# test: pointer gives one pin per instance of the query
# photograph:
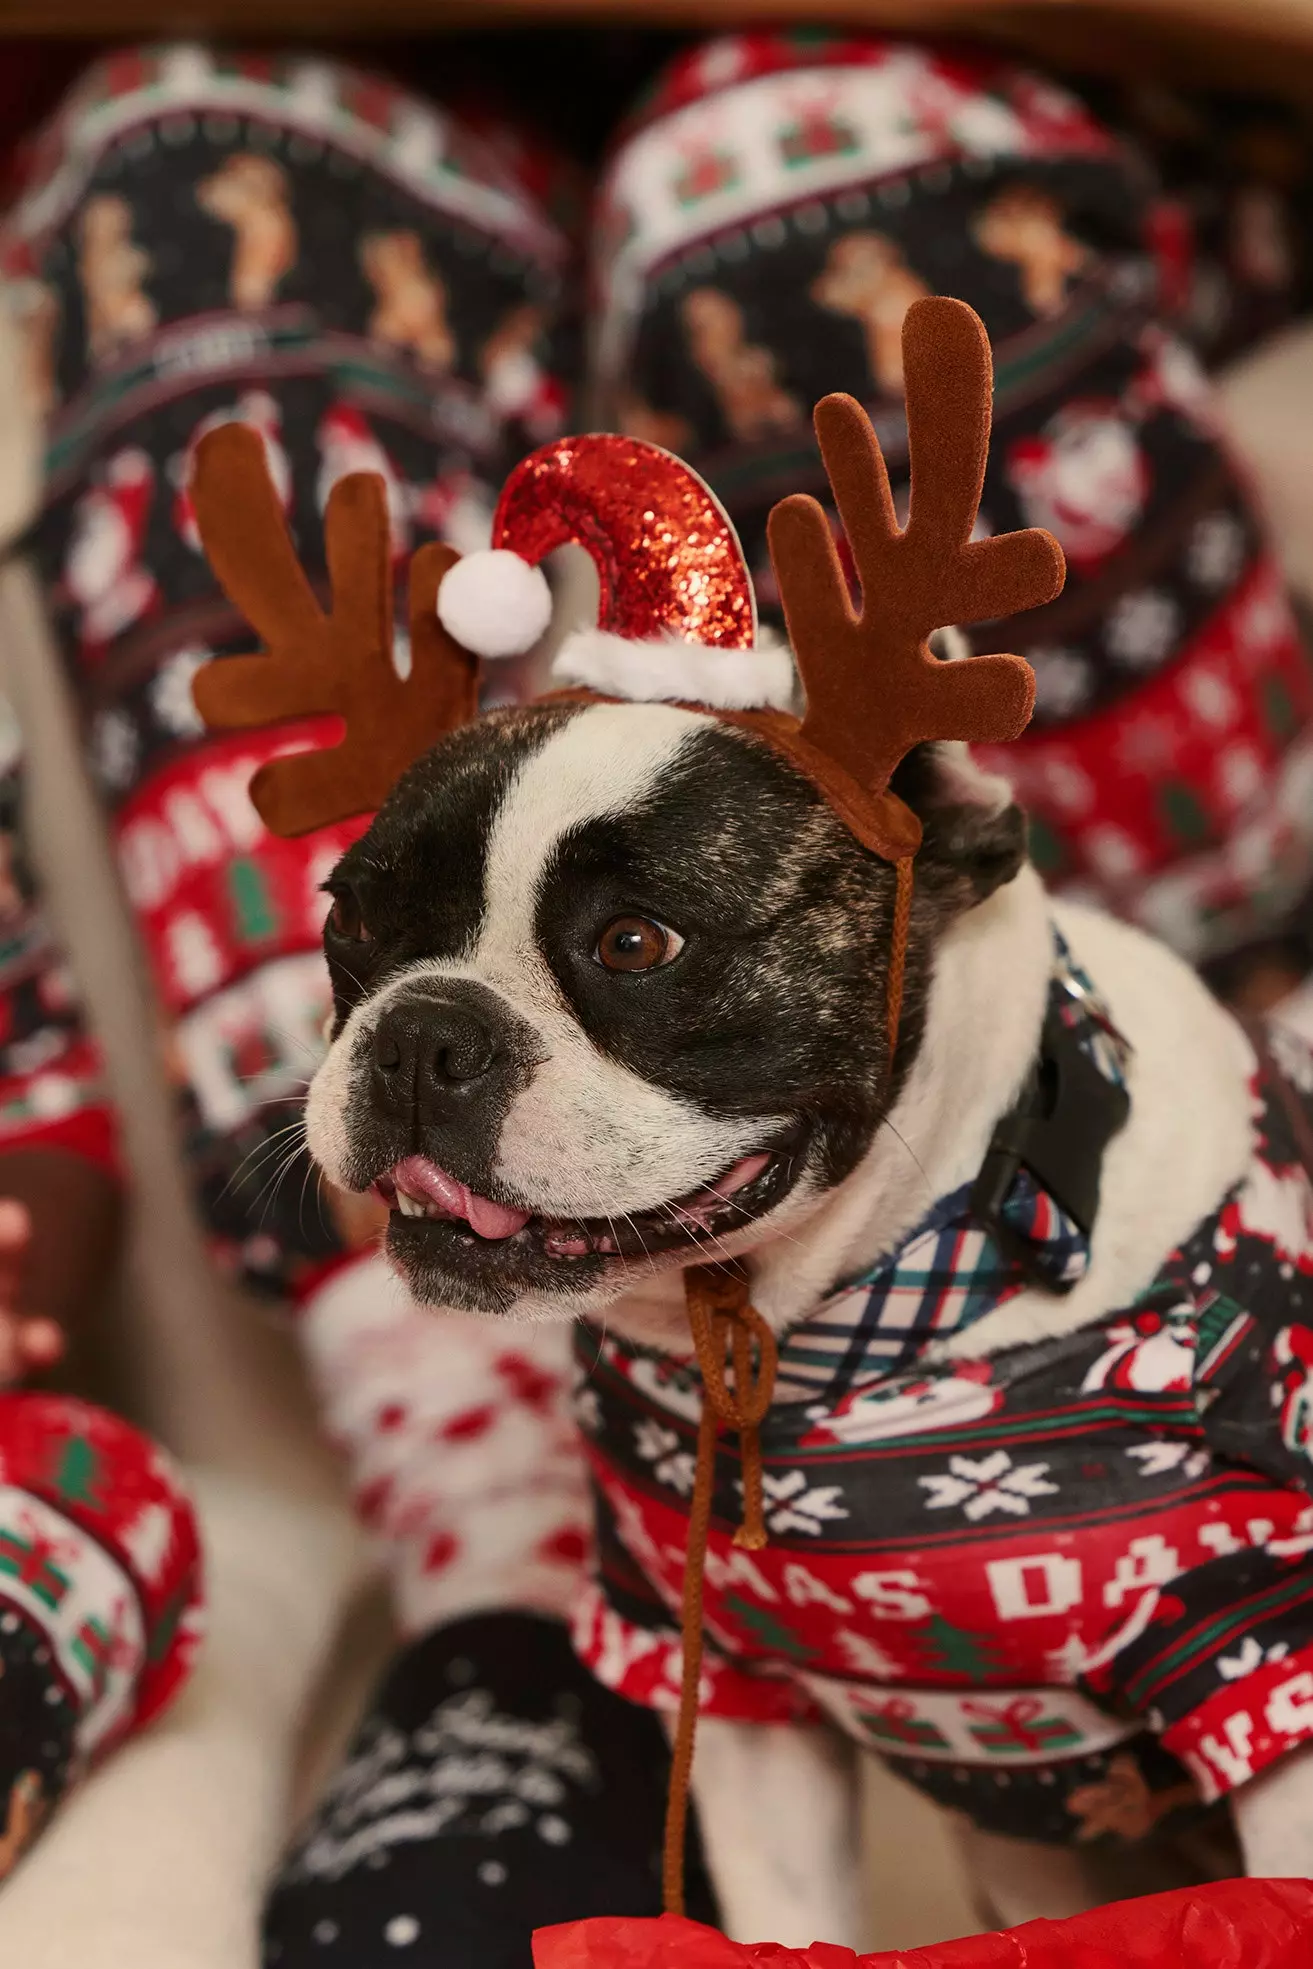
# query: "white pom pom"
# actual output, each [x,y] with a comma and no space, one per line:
[494,603]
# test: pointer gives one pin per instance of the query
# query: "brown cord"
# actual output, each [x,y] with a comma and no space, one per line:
[720,1317]
[681,1761]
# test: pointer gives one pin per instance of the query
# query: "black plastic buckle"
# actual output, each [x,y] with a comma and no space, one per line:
[1059,1130]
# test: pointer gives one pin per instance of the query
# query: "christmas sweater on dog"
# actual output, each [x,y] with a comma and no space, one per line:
[1068,1589]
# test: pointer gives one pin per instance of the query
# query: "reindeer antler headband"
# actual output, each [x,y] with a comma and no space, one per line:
[668,562]
[669,565]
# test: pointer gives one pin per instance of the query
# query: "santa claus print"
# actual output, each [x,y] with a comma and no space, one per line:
[104,571]
[1084,477]
[455,507]
[347,444]
[1150,1353]
[1292,1391]
[256,408]
[887,1411]
[517,384]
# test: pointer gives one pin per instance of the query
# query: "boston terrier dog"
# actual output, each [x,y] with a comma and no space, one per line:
[629,995]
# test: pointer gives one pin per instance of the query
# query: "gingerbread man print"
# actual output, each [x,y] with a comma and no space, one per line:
[742,374]
[410,298]
[250,194]
[866,276]
[112,268]
[1024,225]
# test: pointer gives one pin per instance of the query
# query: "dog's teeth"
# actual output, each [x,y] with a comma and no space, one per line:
[409,1206]
[605,1244]
[567,1244]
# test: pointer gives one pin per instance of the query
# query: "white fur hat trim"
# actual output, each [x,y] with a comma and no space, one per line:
[676,672]
[494,603]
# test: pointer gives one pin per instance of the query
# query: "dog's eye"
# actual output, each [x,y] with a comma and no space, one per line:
[637,943]
[346,919]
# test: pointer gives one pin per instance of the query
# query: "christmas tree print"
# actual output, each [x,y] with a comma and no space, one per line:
[256,920]
[77,1472]
[950,1650]
[1184,813]
[1047,850]
[168,1624]
[763,1626]
[1278,711]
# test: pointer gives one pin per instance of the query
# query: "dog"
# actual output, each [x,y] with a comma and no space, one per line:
[626,989]
[589,1117]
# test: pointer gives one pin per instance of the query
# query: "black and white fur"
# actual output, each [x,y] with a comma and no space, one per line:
[545,1083]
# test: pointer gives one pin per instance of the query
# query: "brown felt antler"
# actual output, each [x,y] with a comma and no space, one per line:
[318,663]
[874,688]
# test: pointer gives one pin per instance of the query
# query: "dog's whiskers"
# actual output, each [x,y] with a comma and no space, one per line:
[261,1153]
[686,1222]
[639,1235]
[743,1210]
[269,1195]
[904,1144]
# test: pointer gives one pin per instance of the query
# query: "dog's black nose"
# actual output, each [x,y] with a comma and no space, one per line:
[427,1051]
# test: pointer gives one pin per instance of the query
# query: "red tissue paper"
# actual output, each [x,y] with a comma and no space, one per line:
[1237,1924]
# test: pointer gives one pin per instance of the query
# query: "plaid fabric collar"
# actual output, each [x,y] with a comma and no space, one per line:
[953,1268]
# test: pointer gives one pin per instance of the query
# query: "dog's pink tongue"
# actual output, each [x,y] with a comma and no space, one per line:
[417,1176]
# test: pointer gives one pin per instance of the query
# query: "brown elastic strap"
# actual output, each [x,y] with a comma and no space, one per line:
[719,1318]
[898,952]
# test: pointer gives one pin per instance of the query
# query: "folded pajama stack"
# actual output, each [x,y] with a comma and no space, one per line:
[767,220]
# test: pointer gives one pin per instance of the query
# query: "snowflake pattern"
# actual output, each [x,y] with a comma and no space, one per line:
[1215,551]
[1158,1458]
[1064,680]
[671,1465]
[1210,697]
[983,1485]
[194,957]
[1263,621]
[792,1504]
[171,693]
[1114,852]
[1240,773]
[115,748]
[588,1410]
[1148,745]
[1141,628]
[1251,1654]
[1068,786]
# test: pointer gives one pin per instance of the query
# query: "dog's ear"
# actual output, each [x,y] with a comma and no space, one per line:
[974,834]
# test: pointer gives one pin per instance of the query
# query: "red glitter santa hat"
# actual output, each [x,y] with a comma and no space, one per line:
[676,617]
